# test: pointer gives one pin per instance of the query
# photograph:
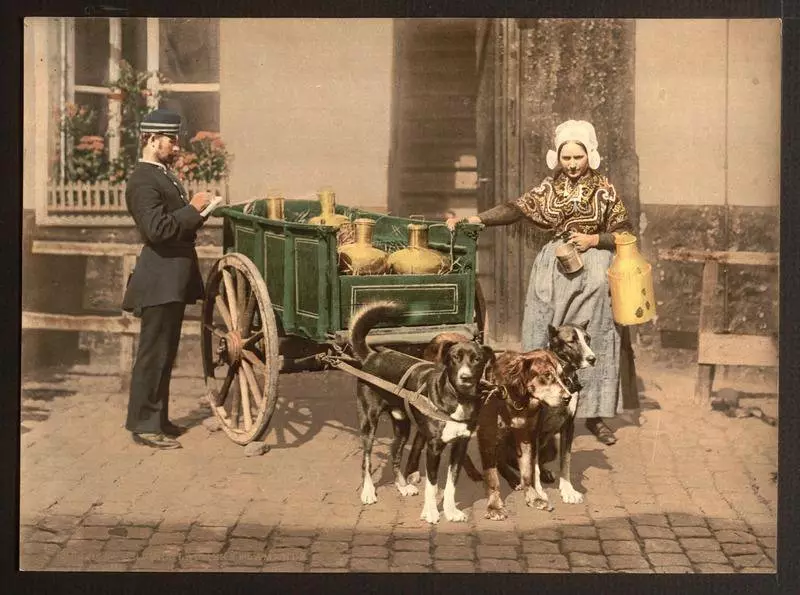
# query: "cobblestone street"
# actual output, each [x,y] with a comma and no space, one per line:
[685,490]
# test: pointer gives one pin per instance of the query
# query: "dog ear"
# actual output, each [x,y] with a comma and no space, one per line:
[488,354]
[445,349]
[514,368]
[584,325]
[551,330]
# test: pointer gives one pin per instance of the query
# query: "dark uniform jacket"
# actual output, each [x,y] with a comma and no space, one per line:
[167,269]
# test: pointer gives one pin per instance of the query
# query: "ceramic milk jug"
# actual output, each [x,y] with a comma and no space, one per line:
[630,278]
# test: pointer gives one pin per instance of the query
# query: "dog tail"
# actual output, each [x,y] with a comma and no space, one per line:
[363,321]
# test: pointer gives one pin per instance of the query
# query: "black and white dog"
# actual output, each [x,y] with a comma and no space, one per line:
[451,387]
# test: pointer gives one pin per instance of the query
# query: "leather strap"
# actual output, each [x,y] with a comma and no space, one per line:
[419,400]
[402,384]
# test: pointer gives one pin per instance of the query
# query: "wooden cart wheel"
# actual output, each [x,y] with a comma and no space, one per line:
[240,348]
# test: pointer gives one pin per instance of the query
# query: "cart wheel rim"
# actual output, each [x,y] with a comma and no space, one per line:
[239,343]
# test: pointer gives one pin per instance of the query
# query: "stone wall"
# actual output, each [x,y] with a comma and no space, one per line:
[82,285]
[752,292]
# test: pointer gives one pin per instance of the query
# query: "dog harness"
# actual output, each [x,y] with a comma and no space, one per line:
[422,403]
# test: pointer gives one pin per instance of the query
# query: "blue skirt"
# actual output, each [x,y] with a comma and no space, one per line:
[556,298]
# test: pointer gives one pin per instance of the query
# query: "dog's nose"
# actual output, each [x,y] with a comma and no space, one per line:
[466,376]
[591,359]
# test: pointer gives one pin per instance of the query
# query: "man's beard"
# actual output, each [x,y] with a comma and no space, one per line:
[169,159]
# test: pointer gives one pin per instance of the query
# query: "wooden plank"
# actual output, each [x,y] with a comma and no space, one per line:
[106,249]
[93,323]
[705,380]
[709,286]
[417,130]
[745,258]
[737,350]
[434,106]
[442,181]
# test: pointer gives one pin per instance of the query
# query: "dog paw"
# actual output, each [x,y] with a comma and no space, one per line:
[430,514]
[413,478]
[407,490]
[455,515]
[570,495]
[368,495]
[496,514]
[538,500]
[518,487]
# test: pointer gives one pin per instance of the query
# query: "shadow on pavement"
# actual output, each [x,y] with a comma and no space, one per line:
[31,412]
[388,536]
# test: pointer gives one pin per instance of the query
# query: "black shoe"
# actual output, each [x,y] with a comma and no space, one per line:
[603,433]
[173,431]
[156,440]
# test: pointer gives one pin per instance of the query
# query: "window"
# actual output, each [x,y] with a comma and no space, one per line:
[189,58]
[185,51]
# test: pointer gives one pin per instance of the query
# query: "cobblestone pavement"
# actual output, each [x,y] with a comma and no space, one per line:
[685,490]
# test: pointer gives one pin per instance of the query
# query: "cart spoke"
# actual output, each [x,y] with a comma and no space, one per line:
[257,364]
[245,394]
[230,295]
[249,310]
[251,379]
[235,402]
[241,294]
[223,310]
[226,384]
[217,332]
[252,339]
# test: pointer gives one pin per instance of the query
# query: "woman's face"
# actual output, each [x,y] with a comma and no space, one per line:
[574,160]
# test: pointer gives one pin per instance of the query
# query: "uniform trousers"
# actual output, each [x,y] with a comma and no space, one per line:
[148,405]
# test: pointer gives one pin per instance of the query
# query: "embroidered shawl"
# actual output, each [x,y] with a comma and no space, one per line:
[590,205]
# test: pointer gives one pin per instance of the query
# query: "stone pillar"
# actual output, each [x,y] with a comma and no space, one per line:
[581,69]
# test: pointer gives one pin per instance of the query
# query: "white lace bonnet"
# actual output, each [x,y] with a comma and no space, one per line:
[575,130]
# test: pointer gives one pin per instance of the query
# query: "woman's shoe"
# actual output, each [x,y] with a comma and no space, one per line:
[603,433]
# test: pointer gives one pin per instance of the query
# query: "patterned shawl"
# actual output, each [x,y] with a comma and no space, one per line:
[589,205]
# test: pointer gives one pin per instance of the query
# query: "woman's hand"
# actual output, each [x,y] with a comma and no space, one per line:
[451,222]
[584,241]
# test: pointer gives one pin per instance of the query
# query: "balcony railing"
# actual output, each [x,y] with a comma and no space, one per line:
[102,203]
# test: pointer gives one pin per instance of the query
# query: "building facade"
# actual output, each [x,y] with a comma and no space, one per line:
[388,113]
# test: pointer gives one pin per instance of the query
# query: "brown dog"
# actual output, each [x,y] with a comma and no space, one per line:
[526,380]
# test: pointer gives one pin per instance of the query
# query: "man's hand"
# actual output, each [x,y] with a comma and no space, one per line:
[584,241]
[200,200]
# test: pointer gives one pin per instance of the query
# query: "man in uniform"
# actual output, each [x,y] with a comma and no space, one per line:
[165,279]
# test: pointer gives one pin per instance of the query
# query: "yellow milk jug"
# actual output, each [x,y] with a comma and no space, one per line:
[275,206]
[418,259]
[361,257]
[630,278]
[328,215]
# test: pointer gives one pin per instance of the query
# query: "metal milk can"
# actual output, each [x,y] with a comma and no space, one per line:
[361,257]
[275,206]
[328,215]
[630,279]
[418,258]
